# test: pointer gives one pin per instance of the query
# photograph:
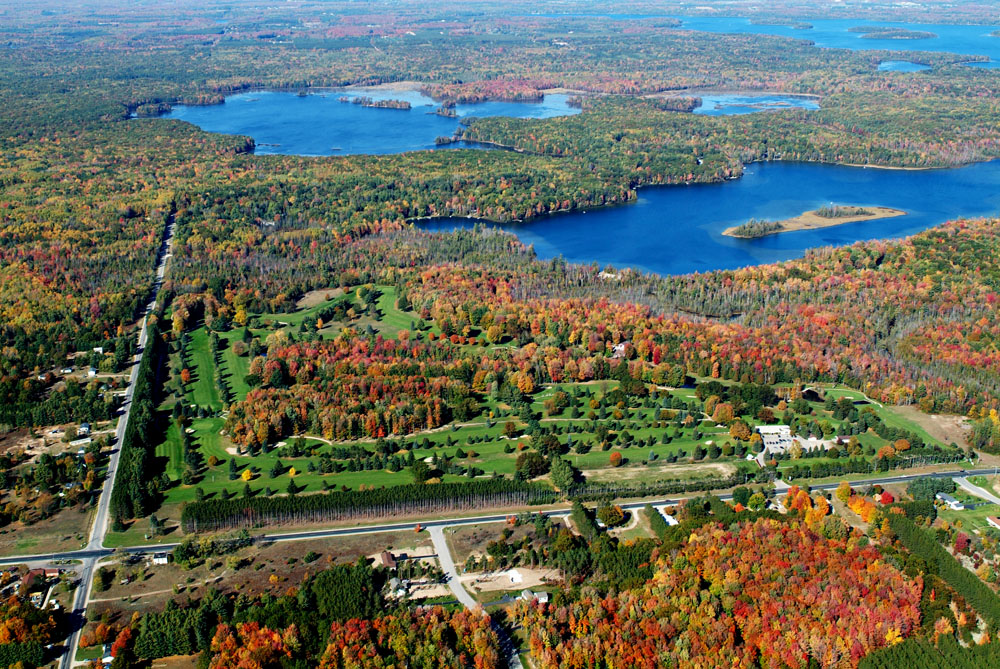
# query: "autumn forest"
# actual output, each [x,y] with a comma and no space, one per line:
[260,409]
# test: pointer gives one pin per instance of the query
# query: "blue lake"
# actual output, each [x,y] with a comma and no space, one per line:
[678,229]
[902,66]
[834,33]
[729,105]
[669,230]
[319,124]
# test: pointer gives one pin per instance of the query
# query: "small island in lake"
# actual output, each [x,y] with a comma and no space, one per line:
[788,23]
[823,217]
[888,32]
[447,110]
[376,104]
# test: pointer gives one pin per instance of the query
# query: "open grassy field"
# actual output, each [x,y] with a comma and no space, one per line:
[387,320]
[890,415]
[971,520]
[67,530]
[202,390]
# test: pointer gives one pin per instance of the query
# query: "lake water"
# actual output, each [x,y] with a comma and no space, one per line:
[730,105]
[902,66]
[319,124]
[834,33]
[678,229]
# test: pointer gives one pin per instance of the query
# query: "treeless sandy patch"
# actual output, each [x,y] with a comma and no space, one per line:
[665,472]
[314,297]
[498,581]
[943,427]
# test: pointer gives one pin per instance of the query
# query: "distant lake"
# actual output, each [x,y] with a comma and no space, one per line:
[319,124]
[678,229]
[903,66]
[834,33]
[731,105]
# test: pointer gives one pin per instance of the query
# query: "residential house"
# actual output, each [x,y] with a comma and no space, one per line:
[950,501]
[528,595]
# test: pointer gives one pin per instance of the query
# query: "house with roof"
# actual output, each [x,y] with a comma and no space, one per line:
[387,560]
[528,595]
[993,522]
[950,501]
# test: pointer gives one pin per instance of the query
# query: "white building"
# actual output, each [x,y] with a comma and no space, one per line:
[777,438]
[950,501]
[528,595]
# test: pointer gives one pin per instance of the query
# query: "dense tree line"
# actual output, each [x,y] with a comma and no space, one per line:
[336,594]
[945,653]
[26,629]
[213,514]
[939,561]
[136,492]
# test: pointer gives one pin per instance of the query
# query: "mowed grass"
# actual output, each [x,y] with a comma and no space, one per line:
[388,321]
[202,390]
[215,480]
[235,367]
[971,520]
[391,319]
[888,414]
[481,436]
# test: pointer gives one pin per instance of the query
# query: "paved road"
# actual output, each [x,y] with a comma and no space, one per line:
[509,650]
[95,546]
[976,490]
[95,550]
[100,527]
[448,567]
[449,522]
